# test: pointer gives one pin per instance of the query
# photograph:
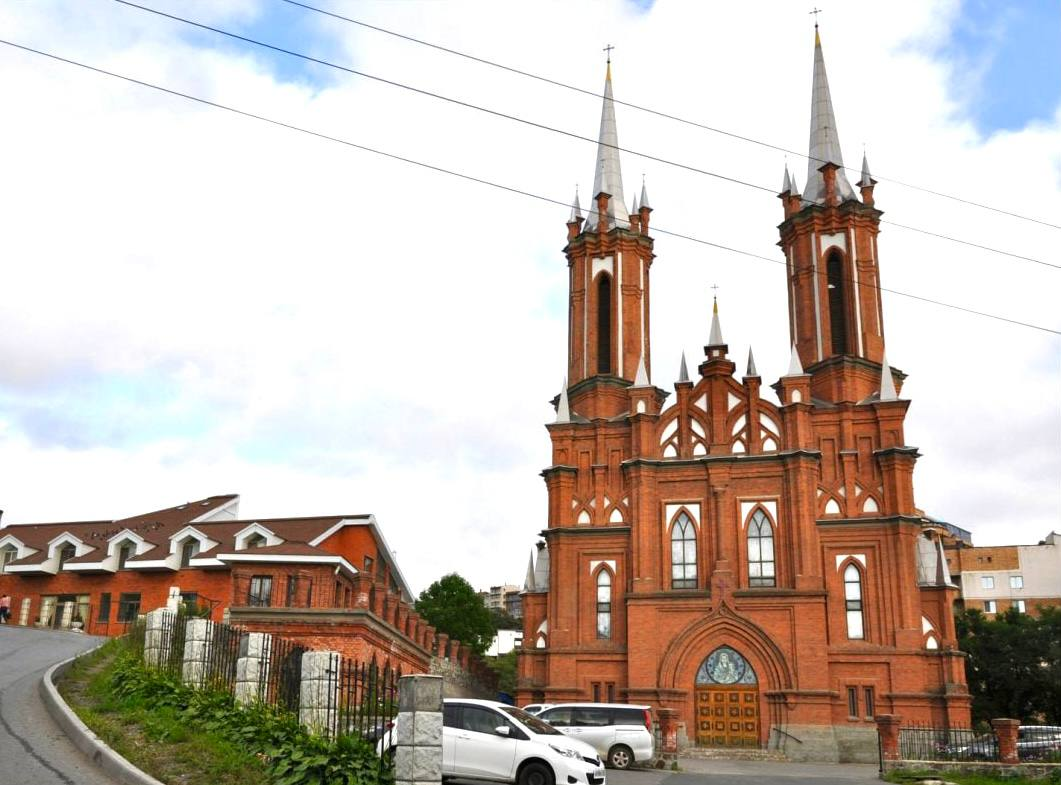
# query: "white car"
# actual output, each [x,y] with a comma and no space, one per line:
[487,740]
[621,733]
[537,708]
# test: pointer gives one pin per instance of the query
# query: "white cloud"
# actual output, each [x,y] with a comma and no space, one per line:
[215,305]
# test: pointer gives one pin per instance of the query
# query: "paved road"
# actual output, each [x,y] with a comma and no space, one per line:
[734,772]
[33,750]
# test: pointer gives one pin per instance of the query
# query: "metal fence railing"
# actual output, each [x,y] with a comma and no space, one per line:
[1039,743]
[927,742]
[366,699]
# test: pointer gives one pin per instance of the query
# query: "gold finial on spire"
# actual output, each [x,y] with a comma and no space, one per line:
[608,49]
[817,39]
[714,309]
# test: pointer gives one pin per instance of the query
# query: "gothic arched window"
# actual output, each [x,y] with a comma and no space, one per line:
[683,553]
[853,602]
[837,313]
[604,324]
[604,604]
[761,571]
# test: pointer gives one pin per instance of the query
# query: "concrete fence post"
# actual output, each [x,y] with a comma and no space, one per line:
[318,700]
[418,730]
[23,614]
[173,599]
[1006,730]
[198,648]
[252,667]
[888,728]
[154,654]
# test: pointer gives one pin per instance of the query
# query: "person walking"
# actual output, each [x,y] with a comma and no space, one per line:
[5,608]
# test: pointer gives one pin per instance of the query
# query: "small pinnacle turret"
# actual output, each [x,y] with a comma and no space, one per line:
[683,370]
[887,383]
[752,371]
[715,338]
[563,410]
[576,209]
[528,582]
[644,196]
[795,367]
[866,179]
[641,380]
[786,184]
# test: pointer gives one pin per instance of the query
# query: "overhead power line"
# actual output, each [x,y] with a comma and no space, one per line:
[660,113]
[483,181]
[553,129]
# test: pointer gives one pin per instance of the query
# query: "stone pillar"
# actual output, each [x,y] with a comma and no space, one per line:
[888,731]
[418,731]
[68,615]
[154,639]
[23,614]
[1006,729]
[198,640]
[668,729]
[252,667]
[318,701]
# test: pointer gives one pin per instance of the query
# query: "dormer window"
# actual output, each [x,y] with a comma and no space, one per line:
[125,550]
[189,550]
[7,555]
[66,553]
[255,541]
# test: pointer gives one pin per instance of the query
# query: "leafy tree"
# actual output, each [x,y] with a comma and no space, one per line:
[452,606]
[1014,664]
[505,667]
[502,621]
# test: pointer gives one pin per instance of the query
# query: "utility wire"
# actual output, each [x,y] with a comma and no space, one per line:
[659,113]
[482,181]
[553,129]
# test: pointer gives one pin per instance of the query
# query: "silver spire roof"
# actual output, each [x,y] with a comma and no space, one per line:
[795,367]
[786,185]
[795,185]
[644,196]
[867,178]
[751,364]
[608,176]
[563,410]
[576,209]
[683,371]
[636,207]
[641,380]
[887,383]
[715,339]
[528,582]
[824,139]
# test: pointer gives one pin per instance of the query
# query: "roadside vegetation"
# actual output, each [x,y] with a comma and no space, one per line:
[915,777]
[183,736]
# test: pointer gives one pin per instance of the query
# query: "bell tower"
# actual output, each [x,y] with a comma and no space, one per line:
[829,237]
[609,254]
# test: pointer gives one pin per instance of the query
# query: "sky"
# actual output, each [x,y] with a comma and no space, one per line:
[198,303]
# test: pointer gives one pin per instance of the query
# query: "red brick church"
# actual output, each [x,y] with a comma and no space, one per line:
[755,562]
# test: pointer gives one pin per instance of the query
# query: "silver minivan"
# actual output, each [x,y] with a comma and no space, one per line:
[621,733]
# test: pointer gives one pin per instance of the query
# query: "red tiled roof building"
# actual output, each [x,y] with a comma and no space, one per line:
[758,567]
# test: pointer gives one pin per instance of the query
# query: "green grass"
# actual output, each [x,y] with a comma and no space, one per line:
[158,739]
[961,778]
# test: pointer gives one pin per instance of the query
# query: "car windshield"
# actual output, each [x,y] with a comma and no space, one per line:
[532,722]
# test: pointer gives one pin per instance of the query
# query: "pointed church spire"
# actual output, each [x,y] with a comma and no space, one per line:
[795,186]
[641,380]
[528,582]
[795,367]
[751,364]
[824,139]
[644,195]
[608,176]
[636,207]
[786,185]
[887,383]
[683,371]
[576,209]
[715,339]
[563,410]
[867,178]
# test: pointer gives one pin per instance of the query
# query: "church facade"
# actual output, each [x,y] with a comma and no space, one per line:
[754,562]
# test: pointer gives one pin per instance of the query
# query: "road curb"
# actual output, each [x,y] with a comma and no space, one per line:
[82,737]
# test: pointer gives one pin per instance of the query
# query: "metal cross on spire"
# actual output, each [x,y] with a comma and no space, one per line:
[608,49]
[816,11]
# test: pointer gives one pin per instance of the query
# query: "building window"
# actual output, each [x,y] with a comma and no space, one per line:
[105,606]
[987,582]
[853,602]
[852,702]
[261,591]
[190,600]
[189,550]
[870,703]
[604,324]
[368,564]
[683,553]
[289,595]
[1016,581]
[7,554]
[66,553]
[611,692]
[1019,605]
[128,606]
[596,692]
[989,606]
[760,551]
[255,541]
[125,550]
[837,312]
[604,604]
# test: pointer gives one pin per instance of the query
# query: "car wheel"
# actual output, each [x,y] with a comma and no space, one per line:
[620,757]
[535,773]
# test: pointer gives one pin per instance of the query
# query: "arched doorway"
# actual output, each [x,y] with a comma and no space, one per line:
[727,701]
